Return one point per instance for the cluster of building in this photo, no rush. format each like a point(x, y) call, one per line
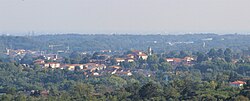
point(91, 67)
point(131, 57)
point(177, 61)
point(100, 65)
point(95, 66)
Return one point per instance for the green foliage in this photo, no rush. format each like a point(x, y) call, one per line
point(117, 81)
point(152, 59)
point(165, 66)
point(153, 79)
point(201, 57)
point(27, 59)
point(149, 90)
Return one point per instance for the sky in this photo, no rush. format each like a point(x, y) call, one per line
point(124, 16)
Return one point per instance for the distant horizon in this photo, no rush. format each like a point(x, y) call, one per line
point(177, 33)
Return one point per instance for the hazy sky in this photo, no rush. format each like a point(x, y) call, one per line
point(97, 16)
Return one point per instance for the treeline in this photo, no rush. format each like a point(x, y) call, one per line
point(160, 43)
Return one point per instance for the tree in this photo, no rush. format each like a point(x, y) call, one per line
point(212, 53)
point(162, 60)
point(181, 68)
point(220, 53)
point(241, 98)
point(133, 88)
point(82, 91)
point(21, 97)
point(172, 54)
point(165, 66)
point(95, 55)
point(27, 59)
point(183, 54)
point(11, 90)
point(171, 93)
point(153, 67)
point(117, 81)
point(201, 57)
point(149, 90)
point(75, 57)
point(132, 65)
point(228, 52)
point(228, 59)
point(66, 60)
point(6, 97)
point(141, 61)
point(85, 60)
point(152, 59)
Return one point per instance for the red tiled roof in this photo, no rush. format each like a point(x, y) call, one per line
point(117, 67)
point(73, 64)
point(130, 55)
point(52, 63)
point(238, 82)
point(174, 59)
point(119, 59)
point(143, 54)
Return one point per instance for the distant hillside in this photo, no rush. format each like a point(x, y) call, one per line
point(18, 42)
point(77, 42)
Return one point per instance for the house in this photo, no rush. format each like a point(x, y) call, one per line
point(116, 67)
point(105, 51)
point(44, 92)
point(130, 56)
point(113, 72)
point(237, 84)
point(38, 92)
point(72, 67)
point(140, 54)
point(119, 60)
point(111, 69)
point(176, 61)
point(95, 74)
point(93, 67)
point(39, 61)
point(51, 56)
point(170, 59)
point(20, 51)
point(122, 72)
point(129, 60)
point(173, 60)
point(52, 65)
point(15, 52)
point(188, 59)
point(143, 56)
